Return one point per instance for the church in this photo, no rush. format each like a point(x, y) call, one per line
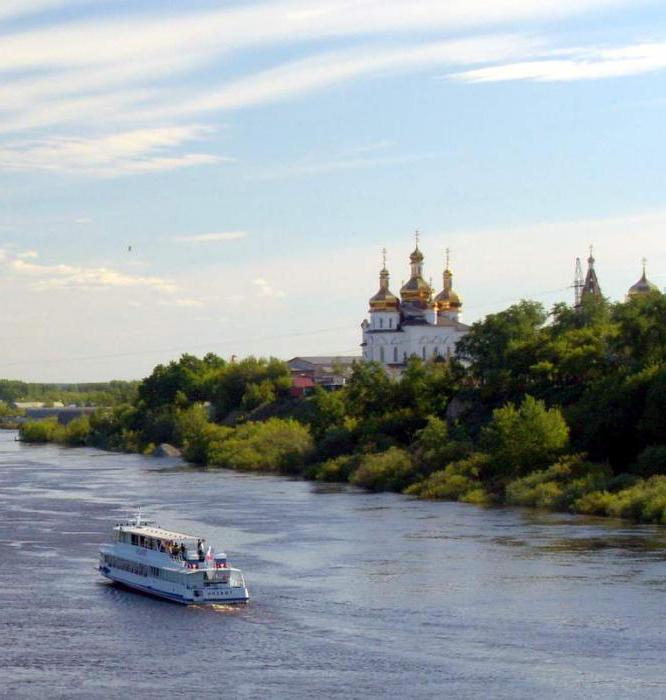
point(415, 324)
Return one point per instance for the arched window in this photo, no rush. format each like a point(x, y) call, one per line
point(423, 352)
point(381, 323)
point(381, 354)
point(390, 323)
point(395, 354)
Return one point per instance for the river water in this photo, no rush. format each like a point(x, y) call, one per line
point(353, 594)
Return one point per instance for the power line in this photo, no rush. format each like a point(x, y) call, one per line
point(137, 353)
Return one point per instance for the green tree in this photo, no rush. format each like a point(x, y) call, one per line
point(501, 349)
point(525, 438)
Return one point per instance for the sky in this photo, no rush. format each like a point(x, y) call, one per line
point(200, 175)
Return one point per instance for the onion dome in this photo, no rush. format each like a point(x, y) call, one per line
point(416, 288)
point(417, 255)
point(384, 300)
point(643, 286)
point(448, 299)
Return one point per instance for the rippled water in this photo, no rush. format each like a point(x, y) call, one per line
point(353, 594)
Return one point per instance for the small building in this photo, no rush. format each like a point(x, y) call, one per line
point(328, 371)
point(301, 386)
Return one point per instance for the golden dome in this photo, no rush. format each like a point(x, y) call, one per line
point(417, 255)
point(416, 289)
point(448, 299)
point(384, 300)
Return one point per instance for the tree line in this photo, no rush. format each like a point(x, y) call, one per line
point(561, 408)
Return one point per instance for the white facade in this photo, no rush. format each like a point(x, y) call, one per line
point(414, 325)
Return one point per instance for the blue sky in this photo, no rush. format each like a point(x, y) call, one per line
point(257, 156)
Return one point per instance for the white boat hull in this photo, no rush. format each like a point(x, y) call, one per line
point(176, 593)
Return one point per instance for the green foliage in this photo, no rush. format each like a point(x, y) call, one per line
point(459, 480)
point(197, 435)
point(533, 387)
point(6, 411)
point(77, 432)
point(275, 446)
point(651, 461)
point(227, 387)
point(91, 394)
point(391, 470)
point(47, 430)
point(433, 448)
point(336, 469)
point(644, 501)
point(525, 438)
point(500, 349)
point(559, 486)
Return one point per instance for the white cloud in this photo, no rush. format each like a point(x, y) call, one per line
point(327, 69)
point(49, 277)
point(264, 289)
point(28, 255)
point(16, 8)
point(128, 68)
point(576, 64)
point(211, 237)
point(135, 38)
point(112, 154)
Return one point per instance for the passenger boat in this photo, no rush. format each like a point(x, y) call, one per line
point(171, 565)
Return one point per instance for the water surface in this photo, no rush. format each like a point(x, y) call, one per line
point(353, 594)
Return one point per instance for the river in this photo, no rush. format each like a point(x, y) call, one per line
point(354, 595)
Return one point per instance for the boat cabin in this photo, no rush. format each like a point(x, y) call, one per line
point(186, 548)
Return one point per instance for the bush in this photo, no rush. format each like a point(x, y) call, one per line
point(336, 469)
point(644, 501)
point(458, 481)
point(559, 486)
point(77, 431)
point(651, 461)
point(434, 449)
point(47, 430)
point(275, 445)
point(525, 438)
point(391, 470)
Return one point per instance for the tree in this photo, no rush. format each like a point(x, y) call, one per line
point(500, 349)
point(526, 438)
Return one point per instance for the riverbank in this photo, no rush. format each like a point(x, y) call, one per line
point(571, 485)
point(563, 410)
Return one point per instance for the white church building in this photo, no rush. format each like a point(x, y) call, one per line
point(416, 324)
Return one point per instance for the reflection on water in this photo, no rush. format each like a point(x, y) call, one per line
point(353, 594)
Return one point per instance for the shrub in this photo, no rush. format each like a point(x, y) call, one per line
point(275, 445)
point(525, 438)
point(644, 501)
point(391, 470)
point(336, 469)
point(434, 449)
point(47, 430)
point(651, 461)
point(77, 431)
point(594, 503)
point(458, 481)
point(559, 486)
